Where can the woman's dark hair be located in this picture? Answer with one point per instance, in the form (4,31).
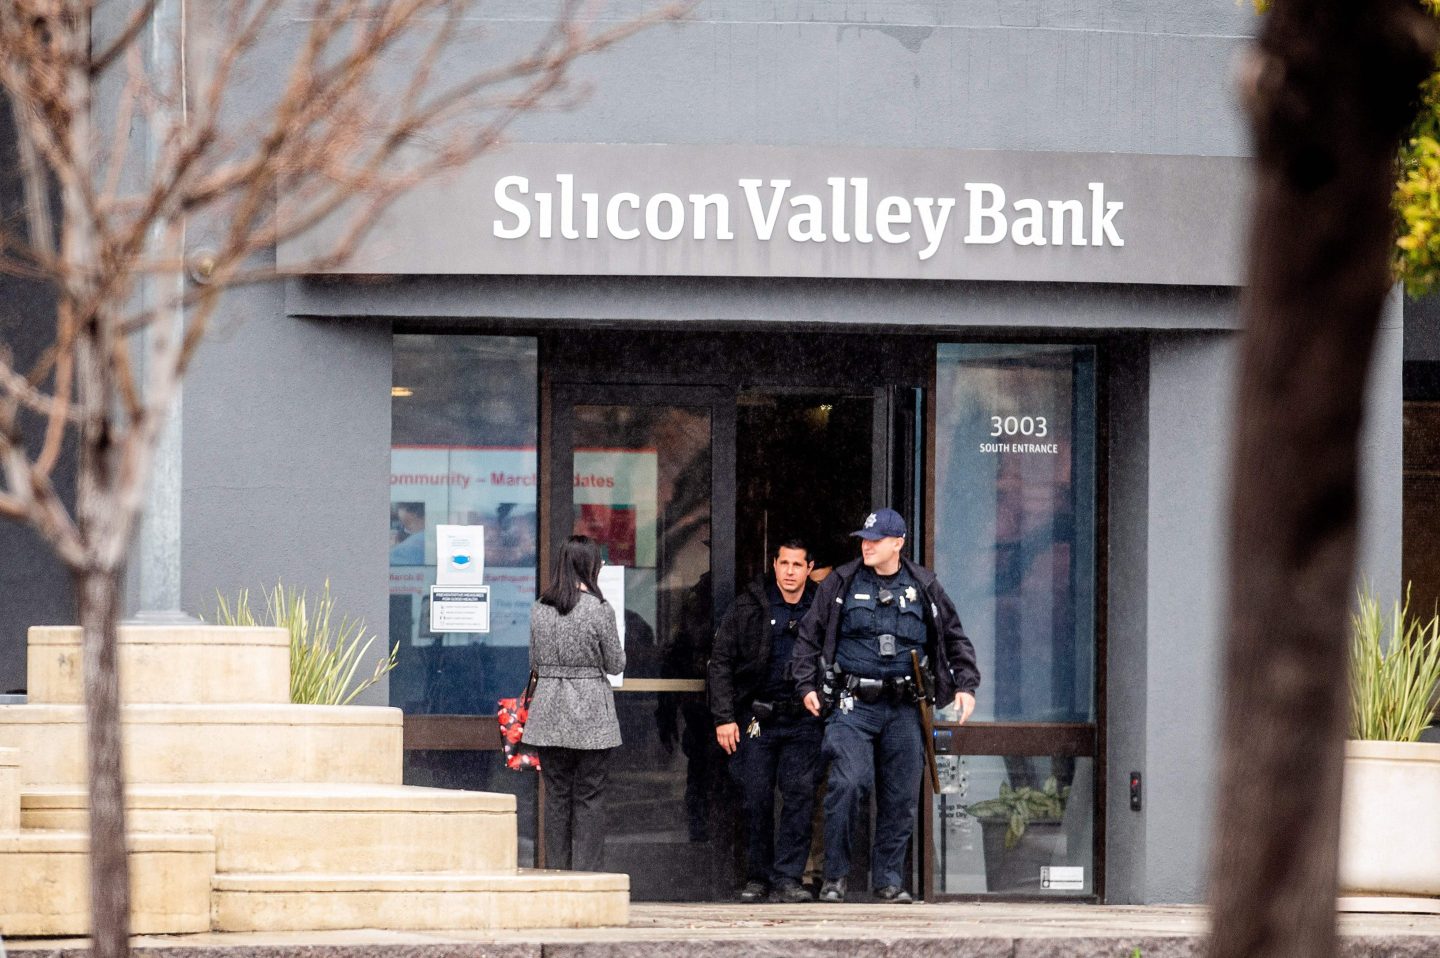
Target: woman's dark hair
(577,563)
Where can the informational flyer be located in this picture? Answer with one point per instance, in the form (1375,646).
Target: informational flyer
(612,586)
(459,608)
(459,555)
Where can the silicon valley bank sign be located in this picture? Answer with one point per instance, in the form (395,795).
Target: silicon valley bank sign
(640,210)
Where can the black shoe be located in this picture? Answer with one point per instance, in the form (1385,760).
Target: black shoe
(833,890)
(754,891)
(894,894)
(791,892)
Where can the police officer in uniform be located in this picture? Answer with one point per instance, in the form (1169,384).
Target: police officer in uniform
(854,646)
(760,722)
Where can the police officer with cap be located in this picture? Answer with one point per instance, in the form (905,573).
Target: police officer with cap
(854,646)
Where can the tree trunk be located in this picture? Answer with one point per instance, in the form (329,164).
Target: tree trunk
(1331,88)
(98,596)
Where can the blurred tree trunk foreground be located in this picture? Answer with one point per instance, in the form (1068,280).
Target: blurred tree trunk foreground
(1330,88)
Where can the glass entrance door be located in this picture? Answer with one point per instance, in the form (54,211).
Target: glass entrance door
(1014,513)
(652,475)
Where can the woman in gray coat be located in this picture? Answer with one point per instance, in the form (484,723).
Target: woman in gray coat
(572,724)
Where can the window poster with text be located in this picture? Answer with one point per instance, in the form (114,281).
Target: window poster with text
(495,487)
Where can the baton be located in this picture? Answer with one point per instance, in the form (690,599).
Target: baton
(927,719)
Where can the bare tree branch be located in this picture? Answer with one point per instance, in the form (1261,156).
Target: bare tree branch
(362,113)
(135,24)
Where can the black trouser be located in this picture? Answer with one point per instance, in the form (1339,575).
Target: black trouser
(574,807)
(786,753)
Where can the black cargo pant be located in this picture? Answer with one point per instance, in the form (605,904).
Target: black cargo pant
(785,753)
(574,807)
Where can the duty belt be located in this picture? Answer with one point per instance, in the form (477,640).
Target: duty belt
(781,708)
(898,688)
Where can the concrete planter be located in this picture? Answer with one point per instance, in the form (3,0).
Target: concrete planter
(1389,829)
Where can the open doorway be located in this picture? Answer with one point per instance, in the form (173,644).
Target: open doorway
(803,468)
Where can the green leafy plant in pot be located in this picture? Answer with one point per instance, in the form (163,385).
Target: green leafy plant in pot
(1018,807)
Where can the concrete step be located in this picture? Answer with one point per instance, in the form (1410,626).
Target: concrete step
(340,829)
(519,899)
(214,743)
(46,880)
(167,665)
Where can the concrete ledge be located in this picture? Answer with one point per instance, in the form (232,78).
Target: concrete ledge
(523,899)
(214,743)
(46,877)
(260,796)
(314,828)
(178,664)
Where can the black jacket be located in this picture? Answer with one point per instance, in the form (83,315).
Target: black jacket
(952,657)
(740,659)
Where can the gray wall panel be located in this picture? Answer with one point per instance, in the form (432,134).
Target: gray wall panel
(287,460)
(1190,386)
(1126,648)
(1100,77)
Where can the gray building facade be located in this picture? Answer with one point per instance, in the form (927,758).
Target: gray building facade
(686,381)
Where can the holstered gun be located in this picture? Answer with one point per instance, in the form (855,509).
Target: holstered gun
(829,692)
(924,699)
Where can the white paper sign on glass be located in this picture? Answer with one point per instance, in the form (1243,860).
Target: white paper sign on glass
(459,555)
(612,586)
(459,608)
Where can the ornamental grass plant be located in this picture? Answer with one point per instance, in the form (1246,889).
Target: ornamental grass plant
(1394,670)
(325,654)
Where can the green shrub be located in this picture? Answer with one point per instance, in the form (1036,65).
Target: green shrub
(1394,669)
(324,654)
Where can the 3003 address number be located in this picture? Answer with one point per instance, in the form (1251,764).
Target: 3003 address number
(1036,426)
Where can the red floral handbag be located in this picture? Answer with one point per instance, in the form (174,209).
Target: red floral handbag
(511,715)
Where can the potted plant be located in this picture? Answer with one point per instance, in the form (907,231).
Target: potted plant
(325,654)
(1389,830)
(1020,832)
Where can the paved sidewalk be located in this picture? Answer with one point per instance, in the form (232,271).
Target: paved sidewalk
(981,930)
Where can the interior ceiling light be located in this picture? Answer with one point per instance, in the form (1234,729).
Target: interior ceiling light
(400,392)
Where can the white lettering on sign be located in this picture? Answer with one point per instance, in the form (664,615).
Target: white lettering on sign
(842,213)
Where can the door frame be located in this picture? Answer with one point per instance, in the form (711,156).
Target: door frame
(556,500)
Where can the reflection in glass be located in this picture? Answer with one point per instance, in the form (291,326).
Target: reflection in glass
(463,425)
(1015,513)
(1014,825)
(643,489)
